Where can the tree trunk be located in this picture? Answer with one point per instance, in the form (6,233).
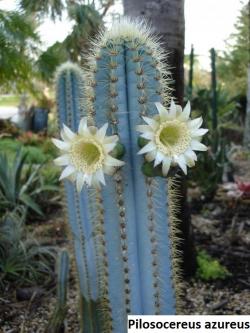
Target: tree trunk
(247,118)
(167,17)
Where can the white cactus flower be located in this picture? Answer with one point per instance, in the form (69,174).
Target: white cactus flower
(173,137)
(86,154)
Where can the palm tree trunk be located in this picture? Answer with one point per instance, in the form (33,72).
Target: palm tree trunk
(167,17)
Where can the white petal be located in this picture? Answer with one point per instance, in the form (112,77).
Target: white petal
(182,163)
(172,109)
(190,154)
(199,132)
(88,179)
(186,112)
(143,128)
(68,133)
(109,146)
(190,159)
(113,161)
(100,134)
(151,122)
(196,145)
(61,144)
(162,110)
(95,182)
(151,155)
(108,169)
(158,159)
(166,166)
(79,182)
(63,136)
(149,147)
(83,126)
(195,123)
(111,139)
(100,176)
(67,172)
(62,160)
(148,135)
(92,130)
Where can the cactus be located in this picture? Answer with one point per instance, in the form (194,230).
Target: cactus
(124,233)
(56,324)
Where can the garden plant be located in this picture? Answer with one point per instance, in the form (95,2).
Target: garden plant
(123,137)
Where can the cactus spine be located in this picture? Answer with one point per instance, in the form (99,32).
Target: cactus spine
(125,242)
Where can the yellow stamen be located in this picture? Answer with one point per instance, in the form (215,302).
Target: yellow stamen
(86,155)
(173,137)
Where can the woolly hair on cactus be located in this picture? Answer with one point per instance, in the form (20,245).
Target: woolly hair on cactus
(125,232)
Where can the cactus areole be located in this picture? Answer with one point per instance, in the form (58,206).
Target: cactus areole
(124,232)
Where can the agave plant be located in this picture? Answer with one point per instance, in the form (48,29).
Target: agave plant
(20,184)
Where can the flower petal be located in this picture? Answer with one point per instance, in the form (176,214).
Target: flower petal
(68,133)
(151,122)
(79,181)
(113,161)
(149,147)
(182,163)
(172,109)
(199,132)
(151,155)
(162,110)
(190,154)
(61,144)
(143,128)
(166,165)
(111,139)
(83,126)
(158,159)
(108,169)
(67,172)
(184,116)
(109,146)
(100,176)
(100,134)
(195,123)
(62,160)
(196,145)
(148,135)
(88,179)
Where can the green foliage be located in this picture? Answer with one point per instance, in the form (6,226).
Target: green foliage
(209,268)
(232,65)
(87,21)
(21,184)
(35,154)
(23,261)
(49,60)
(18,41)
(209,169)
(9,100)
(51,8)
(227,107)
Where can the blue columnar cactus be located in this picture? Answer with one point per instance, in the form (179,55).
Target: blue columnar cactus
(124,233)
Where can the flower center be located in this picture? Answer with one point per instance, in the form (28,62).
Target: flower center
(173,137)
(86,155)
